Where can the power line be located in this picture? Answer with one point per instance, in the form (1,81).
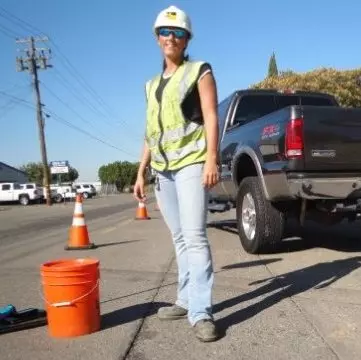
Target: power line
(8,32)
(10,104)
(22,101)
(79,96)
(28,27)
(7,108)
(91,91)
(69,124)
(16,20)
(65,104)
(70,108)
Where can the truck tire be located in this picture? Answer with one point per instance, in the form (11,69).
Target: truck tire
(259,223)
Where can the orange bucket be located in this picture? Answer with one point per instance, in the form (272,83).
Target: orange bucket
(71,295)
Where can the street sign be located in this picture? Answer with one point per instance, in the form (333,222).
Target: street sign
(60,163)
(59,167)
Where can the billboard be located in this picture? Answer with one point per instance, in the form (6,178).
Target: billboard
(59,167)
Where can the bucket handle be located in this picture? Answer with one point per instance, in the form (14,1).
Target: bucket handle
(69,303)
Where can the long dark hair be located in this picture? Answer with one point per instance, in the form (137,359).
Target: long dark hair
(185,58)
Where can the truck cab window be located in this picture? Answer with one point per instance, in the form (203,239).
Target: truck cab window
(284,101)
(316,101)
(223,108)
(253,107)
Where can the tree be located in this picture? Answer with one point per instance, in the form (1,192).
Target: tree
(342,84)
(272,66)
(119,173)
(287,72)
(34,172)
(71,176)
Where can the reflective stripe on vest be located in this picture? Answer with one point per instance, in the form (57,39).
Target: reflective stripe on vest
(179,153)
(176,134)
(173,140)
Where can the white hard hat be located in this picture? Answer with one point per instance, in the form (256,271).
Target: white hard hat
(172,16)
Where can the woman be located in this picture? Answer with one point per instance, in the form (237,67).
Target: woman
(181,147)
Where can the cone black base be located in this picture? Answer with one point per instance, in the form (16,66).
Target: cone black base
(85,247)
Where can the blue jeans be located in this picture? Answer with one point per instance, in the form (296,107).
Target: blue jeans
(183,202)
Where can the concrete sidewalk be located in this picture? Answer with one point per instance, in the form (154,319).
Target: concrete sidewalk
(262,317)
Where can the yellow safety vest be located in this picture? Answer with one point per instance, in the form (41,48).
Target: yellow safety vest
(174,141)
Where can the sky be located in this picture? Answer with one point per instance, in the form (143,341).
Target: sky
(110,45)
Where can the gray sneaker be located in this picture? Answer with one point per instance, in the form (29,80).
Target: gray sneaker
(173,312)
(205,330)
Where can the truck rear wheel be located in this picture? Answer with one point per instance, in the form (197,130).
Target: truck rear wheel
(259,223)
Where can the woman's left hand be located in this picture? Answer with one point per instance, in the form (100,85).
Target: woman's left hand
(210,174)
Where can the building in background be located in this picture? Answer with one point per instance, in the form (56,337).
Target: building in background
(11,174)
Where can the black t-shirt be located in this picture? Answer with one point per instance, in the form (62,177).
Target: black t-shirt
(191,105)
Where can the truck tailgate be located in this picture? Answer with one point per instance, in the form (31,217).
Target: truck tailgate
(332,138)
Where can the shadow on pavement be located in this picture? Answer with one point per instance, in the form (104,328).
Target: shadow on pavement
(225,225)
(130,314)
(317,276)
(246,264)
(342,237)
(117,243)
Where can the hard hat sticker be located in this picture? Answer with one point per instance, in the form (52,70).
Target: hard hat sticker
(172,15)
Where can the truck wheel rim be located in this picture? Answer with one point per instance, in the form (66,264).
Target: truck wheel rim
(249,216)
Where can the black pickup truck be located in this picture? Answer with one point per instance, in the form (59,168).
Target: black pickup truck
(286,154)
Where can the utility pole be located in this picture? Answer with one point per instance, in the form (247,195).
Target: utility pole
(36,59)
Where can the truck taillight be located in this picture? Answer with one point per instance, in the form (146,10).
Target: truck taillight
(294,139)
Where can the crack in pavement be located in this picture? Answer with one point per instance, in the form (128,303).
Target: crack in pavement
(141,323)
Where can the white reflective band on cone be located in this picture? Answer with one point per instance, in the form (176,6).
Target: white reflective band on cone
(78,221)
(78,208)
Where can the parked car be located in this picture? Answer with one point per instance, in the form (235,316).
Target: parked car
(35,191)
(87,190)
(12,192)
(286,154)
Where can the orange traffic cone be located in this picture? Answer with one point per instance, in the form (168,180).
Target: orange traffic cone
(142,213)
(78,234)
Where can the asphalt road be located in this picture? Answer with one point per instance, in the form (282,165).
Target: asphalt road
(300,302)
(17,221)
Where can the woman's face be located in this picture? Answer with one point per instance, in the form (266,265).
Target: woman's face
(172,41)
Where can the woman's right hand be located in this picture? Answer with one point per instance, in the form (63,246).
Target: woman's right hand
(139,191)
